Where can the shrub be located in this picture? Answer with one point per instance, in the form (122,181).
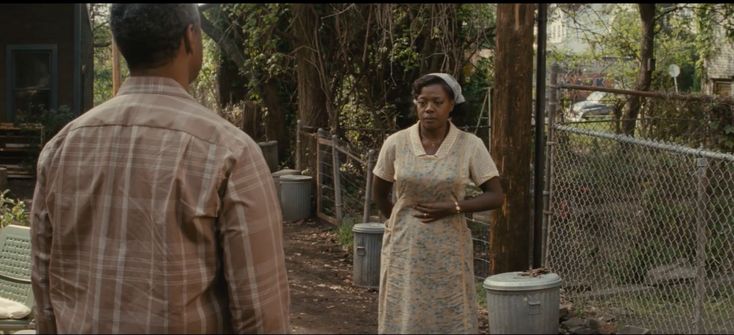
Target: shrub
(12,211)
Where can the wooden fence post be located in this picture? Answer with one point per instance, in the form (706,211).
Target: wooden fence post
(337,180)
(298,145)
(368,186)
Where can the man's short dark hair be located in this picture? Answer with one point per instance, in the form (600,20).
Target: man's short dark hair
(148,35)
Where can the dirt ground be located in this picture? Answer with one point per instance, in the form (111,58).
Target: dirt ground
(323,299)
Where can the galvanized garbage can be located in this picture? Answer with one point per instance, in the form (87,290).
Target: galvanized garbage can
(523,304)
(367,249)
(295,197)
(270,152)
(280,173)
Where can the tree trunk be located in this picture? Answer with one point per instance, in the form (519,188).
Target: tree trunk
(233,88)
(251,119)
(647,65)
(512,136)
(275,124)
(232,84)
(311,99)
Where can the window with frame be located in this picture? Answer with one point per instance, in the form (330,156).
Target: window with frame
(32,76)
(723,88)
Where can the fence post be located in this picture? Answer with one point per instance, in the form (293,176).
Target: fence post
(298,145)
(368,186)
(549,143)
(701,240)
(337,180)
(319,190)
(489,120)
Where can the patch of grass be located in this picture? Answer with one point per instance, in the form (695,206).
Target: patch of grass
(670,309)
(344,234)
(481,294)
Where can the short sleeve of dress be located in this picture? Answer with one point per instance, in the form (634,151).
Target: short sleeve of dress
(385,165)
(481,165)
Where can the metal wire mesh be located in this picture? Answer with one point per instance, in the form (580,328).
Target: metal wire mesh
(327,202)
(643,230)
(479,225)
(353,175)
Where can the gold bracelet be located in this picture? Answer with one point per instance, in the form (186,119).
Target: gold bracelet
(458,209)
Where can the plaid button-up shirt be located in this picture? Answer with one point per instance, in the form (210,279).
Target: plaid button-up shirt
(152,214)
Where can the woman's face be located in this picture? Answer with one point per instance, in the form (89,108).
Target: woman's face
(433,105)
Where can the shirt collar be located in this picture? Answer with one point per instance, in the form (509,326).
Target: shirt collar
(443,149)
(153,85)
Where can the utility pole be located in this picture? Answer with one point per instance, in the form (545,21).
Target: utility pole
(512,136)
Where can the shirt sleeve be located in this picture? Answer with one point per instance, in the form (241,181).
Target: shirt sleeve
(385,165)
(41,241)
(481,165)
(252,242)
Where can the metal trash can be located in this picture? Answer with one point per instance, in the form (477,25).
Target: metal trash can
(280,173)
(367,249)
(523,304)
(295,197)
(270,152)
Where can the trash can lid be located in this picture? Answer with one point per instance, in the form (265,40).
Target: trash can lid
(513,281)
(369,228)
(284,172)
(294,178)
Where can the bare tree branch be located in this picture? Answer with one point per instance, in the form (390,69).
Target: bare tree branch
(226,44)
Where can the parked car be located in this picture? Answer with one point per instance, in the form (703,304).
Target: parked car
(595,106)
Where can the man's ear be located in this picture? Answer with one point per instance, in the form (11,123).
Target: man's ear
(188,37)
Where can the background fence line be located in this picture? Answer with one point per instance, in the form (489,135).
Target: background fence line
(642,229)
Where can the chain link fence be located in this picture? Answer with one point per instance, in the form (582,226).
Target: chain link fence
(642,230)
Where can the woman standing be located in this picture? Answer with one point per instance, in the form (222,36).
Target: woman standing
(427,275)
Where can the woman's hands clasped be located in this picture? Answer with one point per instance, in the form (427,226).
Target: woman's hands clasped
(432,211)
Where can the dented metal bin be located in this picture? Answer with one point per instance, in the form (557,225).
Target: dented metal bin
(367,249)
(519,304)
(295,197)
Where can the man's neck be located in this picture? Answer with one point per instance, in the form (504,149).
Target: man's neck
(166,71)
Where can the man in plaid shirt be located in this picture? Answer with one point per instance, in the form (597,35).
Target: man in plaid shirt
(152,214)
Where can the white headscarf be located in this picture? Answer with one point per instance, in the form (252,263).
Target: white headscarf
(453,84)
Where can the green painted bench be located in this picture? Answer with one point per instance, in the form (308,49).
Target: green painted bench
(15,274)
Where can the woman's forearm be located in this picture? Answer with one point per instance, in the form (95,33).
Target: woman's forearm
(491,198)
(385,205)
(381,194)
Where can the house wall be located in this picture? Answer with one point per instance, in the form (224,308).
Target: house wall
(721,64)
(40,24)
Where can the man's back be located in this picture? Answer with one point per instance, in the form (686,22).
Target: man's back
(154,212)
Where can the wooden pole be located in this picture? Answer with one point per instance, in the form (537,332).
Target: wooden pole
(512,136)
(337,180)
(368,186)
(298,145)
(116,77)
